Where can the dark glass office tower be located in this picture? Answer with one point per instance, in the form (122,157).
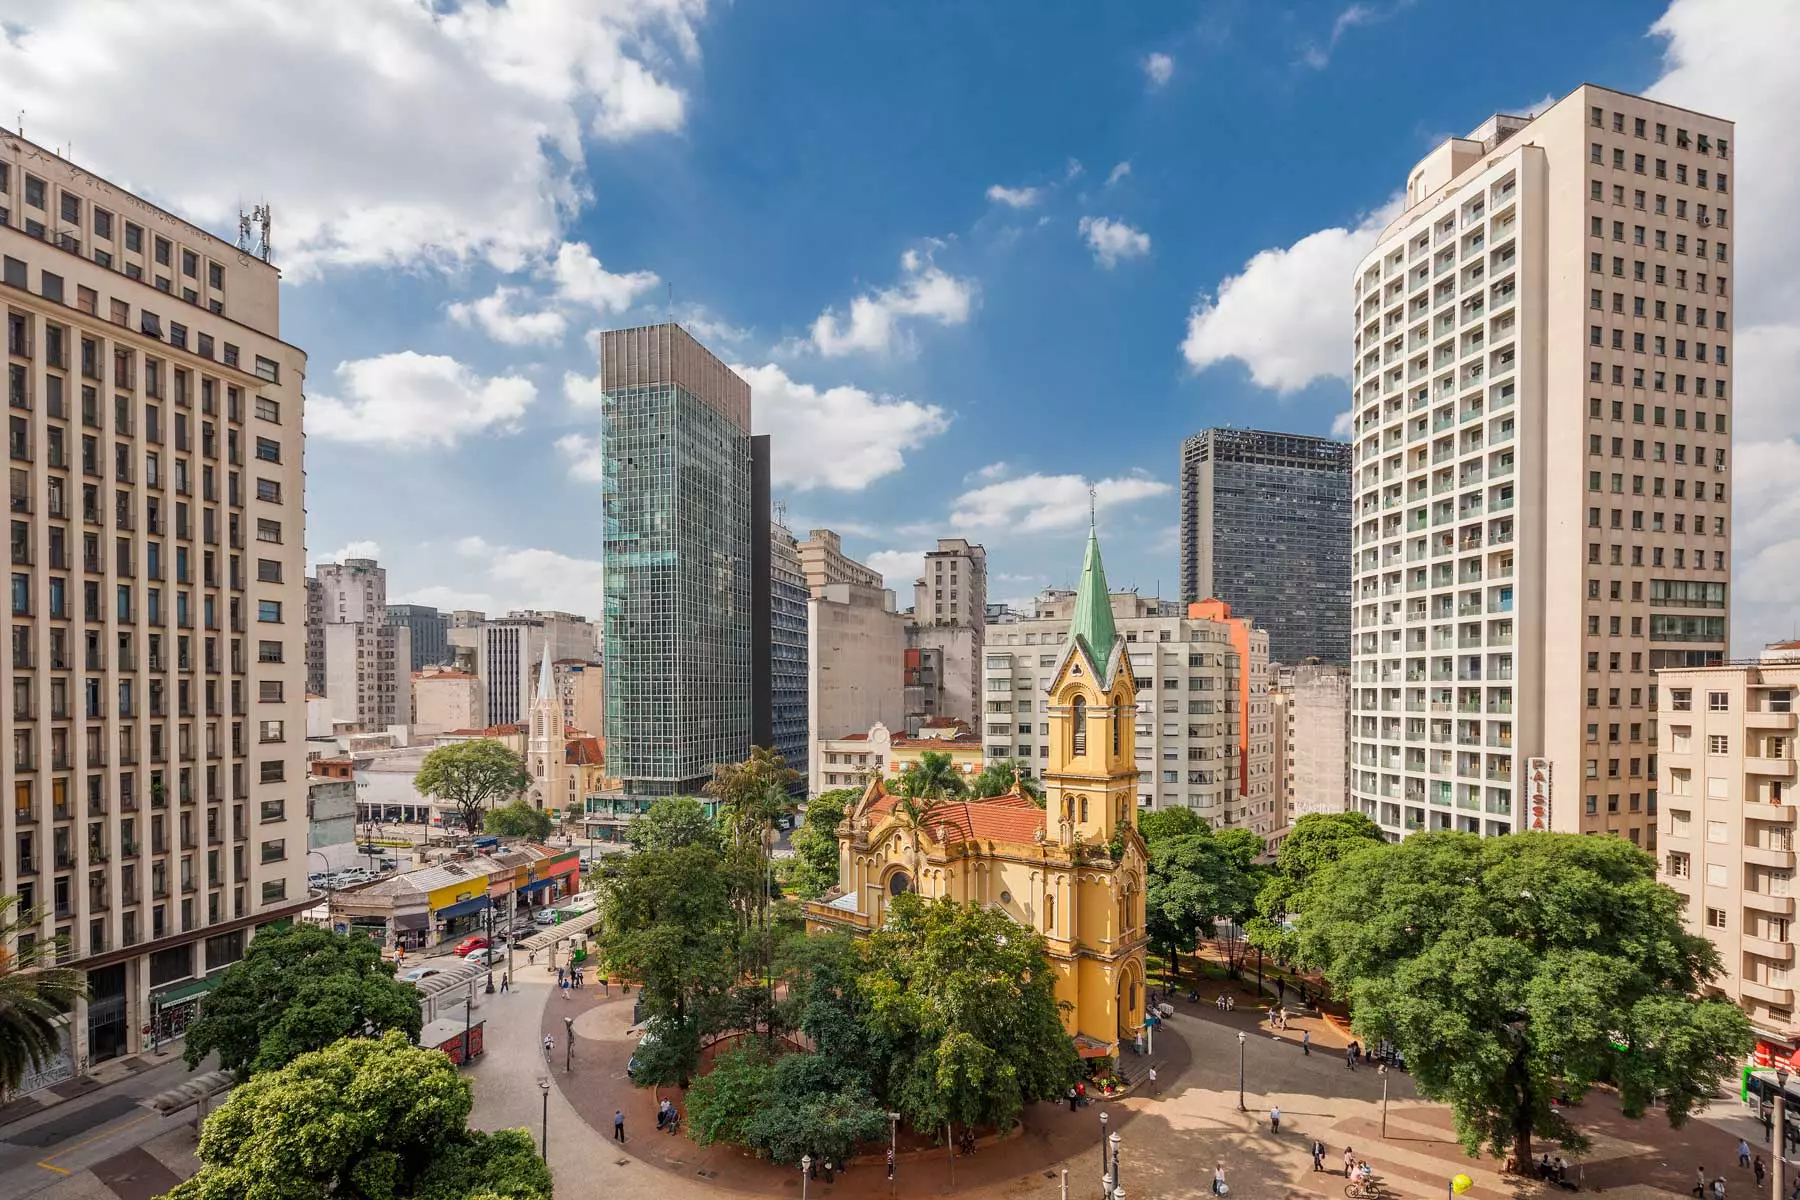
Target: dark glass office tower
(1265,526)
(430,632)
(675,429)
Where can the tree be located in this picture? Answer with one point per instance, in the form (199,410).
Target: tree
(782,1108)
(472,775)
(814,867)
(933,777)
(1196,878)
(964,1002)
(1511,970)
(520,819)
(672,822)
(299,989)
(35,996)
(667,923)
(361,1120)
(1003,775)
(1162,824)
(1315,842)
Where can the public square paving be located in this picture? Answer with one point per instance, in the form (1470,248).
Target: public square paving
(1170,1140)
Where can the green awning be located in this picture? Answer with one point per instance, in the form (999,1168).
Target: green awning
(175,993)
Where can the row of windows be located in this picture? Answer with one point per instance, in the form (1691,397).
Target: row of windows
(1642,164)
(1705,144)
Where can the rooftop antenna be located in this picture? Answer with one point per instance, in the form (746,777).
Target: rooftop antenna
(669,312)
(1093,506)
(266,215)
(21,122)
(243,230)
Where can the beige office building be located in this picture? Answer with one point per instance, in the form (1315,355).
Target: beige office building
(1309,707)
(158,603)
(1541,477)
(1727,793)
(949,624)
(445,699)
(1205,734)
(855,652)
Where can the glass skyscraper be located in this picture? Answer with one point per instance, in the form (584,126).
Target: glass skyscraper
(678,574)
(1265,526)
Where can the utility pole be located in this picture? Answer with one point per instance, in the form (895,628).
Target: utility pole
(1776,1172)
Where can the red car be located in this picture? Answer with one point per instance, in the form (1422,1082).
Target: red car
(469,944)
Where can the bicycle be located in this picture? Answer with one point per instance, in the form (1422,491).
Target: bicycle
(1356,1189)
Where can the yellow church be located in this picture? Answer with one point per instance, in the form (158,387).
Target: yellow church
(1073,870)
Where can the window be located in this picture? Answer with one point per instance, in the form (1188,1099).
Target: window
(272,771)
(1718,702)
(268,489)
(268,410)
(268,531)
(270,731)
(268,652)
(268,570)
(273,891)
(162,254)
(34,191)
(1715,918)
(268,450)
(215,276)
(1078,730)
(1718,743)
(269,691)
(268,368)
(268,611)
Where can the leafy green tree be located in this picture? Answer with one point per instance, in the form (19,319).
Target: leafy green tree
(1002,775)
(1511,970)
(1315,842)
(472,775)
(1161,824)
(668,923)
(1195,879)
(814,869)
(360,1120)
(782,1108)
(964,1000)
(672,822)
(35,995)
(520,819)
(933,777)
(299,989)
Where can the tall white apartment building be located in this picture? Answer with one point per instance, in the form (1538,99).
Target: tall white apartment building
(157,713)
(510,648)
(365,663)
(1541,482)
(1205,735)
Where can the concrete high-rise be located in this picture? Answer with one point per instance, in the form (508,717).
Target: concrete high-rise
(1311,709)
(430,633)
(1541,388)
(856,643)
(789,725)
(1265,527)
(949,620)
(510,648)
(157,713)
(678,572)
(366,670)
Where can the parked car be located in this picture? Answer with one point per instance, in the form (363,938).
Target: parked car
(545,916)
(418,973)
(482,958)
(469,945)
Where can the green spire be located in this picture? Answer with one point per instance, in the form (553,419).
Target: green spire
(1093,619)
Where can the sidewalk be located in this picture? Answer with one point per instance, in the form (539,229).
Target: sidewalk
(108,1073)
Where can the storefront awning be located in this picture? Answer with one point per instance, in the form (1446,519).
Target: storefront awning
(408,921)
(466,908)
(175,993)
(533,887)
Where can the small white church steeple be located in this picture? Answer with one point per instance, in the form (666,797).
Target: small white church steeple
(545,754)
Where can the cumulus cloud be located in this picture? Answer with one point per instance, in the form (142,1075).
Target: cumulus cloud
(496,579)
(1157,68)
(1119,172)
(839,437)
(1112,241)
(412,401)
(879,321)
(353,549)
(1285,316)
(1318,55)
(383,134)
(1020,197)
(1037,503)
(899,568)
(496,316)
(586,462)
(581,280)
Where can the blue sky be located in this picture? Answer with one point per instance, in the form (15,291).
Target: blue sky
(972,257)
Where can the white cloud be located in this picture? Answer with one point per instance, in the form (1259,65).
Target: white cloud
(1113,241)
(353,549)
(586,462)
(1732,58)
(878,319)
(382,133)
(1036,503)
(1119,172)
(1353,16)
(899,568)
(1020,197)
(840,437)
(581,280)
(496,579)
(495,315)
(1157,68)
(993,471)
(409,401)
(1344,424)
(1285,315)
(709,327)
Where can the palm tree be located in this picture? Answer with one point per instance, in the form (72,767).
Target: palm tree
(933,777)
(1003,775)
(34,996)
(914,813)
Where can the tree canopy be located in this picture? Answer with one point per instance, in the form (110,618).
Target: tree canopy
(1161,824)
(472,775)
(1315,842)
(1511,970)
(814,868)
(35,994)
(520,819)
(360,1120)
(299,989)
(1001,775)
(933,777)
(1195,878)
(672,822)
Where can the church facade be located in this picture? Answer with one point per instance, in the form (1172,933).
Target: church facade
(1074,870)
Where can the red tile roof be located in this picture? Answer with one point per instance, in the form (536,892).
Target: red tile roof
(1008,818)
(585,751)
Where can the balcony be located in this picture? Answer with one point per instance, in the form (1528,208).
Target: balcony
(1781,952)
(1778,768)
(1769,857)
(1781,906)
(1778,722)
(1780,997)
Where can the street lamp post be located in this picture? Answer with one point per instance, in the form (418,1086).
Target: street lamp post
(489,952)
(544,1084)
(1114,1139)
(1241,1040)
(893,1146)
(805,1170)
(1106,1186)
(568,1044)
(1103,1162)
(1382,1071)
(1781,1078)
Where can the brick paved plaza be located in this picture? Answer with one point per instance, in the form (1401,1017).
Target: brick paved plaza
(1170,1142)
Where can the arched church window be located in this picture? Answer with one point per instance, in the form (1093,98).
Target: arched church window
(1084,808)
(1069,808)
(1049,914)
(899,884)
(1078,743)
(1118,722)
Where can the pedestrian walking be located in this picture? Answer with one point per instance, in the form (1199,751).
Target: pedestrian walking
(564,986)
(561,975)
(1306,1042)
(829,1171)
(603,988)
(618,1125)
(531,958)
(1318,1155)
(1718,1188)
(1700,1182)
(1071,1099)
(890,1160)
(1153,1086)
(505,982)
(1219,1188)
(662,1114)
(1230,1003)
(1761,1171)
(1349,1161)
(549,1045)
(1275,1119)
(1137,1044)
(1743,1154)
